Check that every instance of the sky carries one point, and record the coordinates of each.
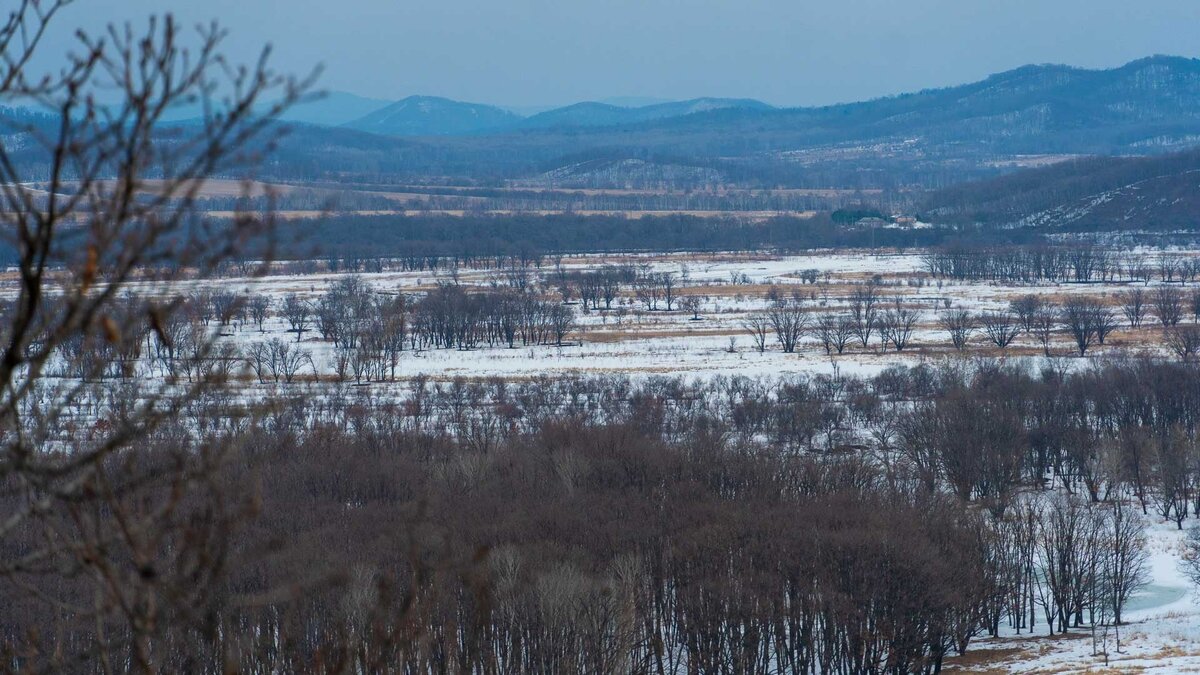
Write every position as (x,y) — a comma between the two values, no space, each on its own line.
(553,52)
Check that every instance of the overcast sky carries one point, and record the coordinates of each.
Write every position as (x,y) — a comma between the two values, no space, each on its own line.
(788,52)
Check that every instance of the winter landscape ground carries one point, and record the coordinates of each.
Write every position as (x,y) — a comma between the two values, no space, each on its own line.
(708,332)
(765,367)
(729,289)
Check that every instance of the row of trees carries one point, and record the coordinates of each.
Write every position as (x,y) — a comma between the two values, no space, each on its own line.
(1075,562)
(1080,262)
(1087,320)
(790,320)
(368,331)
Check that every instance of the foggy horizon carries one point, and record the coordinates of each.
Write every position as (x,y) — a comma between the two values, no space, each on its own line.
(532,54)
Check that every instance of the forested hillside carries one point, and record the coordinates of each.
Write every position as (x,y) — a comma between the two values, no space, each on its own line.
(1156,193)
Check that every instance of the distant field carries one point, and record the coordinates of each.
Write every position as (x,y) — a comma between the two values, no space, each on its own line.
(633,338)
(310,213)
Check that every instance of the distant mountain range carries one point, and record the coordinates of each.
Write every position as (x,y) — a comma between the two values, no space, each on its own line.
(328,109)
(930,138)
(602,115)
(433,116)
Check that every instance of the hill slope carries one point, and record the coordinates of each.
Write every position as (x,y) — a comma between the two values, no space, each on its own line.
(592,114)
(433,116)
(333,109)
(1105,193)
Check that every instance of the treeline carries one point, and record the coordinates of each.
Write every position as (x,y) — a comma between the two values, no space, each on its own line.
(1088,321)
(475,236)
(716,197)
(353,197)
(1078,262)
(368,330)
(303,199)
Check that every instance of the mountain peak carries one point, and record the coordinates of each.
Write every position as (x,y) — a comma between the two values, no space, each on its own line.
(1162,60)
(434,116)
(592,114)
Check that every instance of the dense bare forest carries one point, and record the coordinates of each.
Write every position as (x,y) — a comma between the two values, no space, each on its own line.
(602,525)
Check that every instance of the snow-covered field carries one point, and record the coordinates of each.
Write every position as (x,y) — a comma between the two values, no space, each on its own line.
(630,339)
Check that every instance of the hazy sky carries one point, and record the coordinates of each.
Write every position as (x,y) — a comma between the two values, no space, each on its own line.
(789,52)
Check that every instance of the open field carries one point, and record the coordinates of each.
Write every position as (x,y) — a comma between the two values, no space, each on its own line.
(633,338)
(296,214)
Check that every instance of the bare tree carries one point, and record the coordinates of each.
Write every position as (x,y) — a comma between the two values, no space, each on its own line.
(864,312)
(1044,323)
(258,356)
(1168,305)
(562,282)
(1137,269)
(960,324)
(1190,564)
(1104,321)
(667,281)
(1168,266)
(1175,467)
(589,290)
(1079,314)
(1027,308)
(759,327)
(610,285)
(1065,546)
(225,306)
(896,325)
(1126,562)
(297,312)
(518,277)
(835,331)
(1133,306)
(141,529)
(648,289)
(259,306)
(562,322)
(392,329)
(790,322)
(1184,341)
(286,362)
(1001,328)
